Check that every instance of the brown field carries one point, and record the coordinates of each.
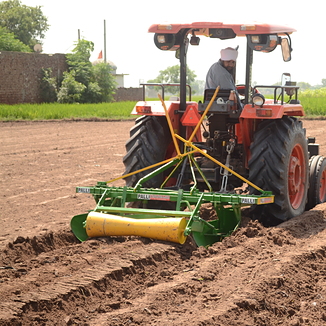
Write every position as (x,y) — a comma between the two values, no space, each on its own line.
(258,276)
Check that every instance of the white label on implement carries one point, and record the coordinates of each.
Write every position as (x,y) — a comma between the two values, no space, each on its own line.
(84,190)
(153,197)
(265,200)
(248,200)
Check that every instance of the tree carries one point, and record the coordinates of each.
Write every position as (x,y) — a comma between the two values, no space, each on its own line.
(8,42)
(303,86)
(198,87)
(102,75)
(78,61)
(323,81)
(171,75)
(83,83)
(28,24)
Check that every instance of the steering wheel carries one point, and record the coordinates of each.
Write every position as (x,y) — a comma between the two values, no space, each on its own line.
(241,88)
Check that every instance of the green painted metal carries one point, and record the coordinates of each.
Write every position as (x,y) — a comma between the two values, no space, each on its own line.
(156,172)
(77,226)
(112,200)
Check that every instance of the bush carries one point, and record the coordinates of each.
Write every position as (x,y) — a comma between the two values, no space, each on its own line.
(106,82)
(48,86)
(92,94)
(71,91)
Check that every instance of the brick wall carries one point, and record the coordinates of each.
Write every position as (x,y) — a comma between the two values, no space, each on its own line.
(21,75)
(128,94)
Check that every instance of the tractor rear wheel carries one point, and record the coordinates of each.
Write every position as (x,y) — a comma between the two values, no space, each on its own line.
(279,163)
(148,144)
(317,181)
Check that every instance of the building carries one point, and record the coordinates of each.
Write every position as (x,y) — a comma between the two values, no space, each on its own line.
(119,78)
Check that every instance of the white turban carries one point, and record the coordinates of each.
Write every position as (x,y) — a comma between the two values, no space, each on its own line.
(229,54)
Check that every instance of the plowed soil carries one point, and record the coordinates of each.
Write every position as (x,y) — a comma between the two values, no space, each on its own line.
(257,276)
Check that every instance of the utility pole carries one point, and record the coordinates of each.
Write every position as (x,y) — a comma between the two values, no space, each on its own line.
(104,41)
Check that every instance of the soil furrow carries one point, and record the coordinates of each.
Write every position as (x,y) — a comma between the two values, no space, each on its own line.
(251,288)
(107,264)
(256,277)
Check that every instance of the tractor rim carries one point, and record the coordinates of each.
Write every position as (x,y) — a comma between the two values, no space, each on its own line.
(297,176)
(322,187)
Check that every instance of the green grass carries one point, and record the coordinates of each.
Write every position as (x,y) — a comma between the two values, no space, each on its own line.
(117,110)
(313,101)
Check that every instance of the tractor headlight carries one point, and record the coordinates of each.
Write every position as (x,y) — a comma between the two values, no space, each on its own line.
(165,41)
(161,38)
(255,39)
(258,99)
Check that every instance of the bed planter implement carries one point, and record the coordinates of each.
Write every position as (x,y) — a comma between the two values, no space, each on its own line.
(114,214)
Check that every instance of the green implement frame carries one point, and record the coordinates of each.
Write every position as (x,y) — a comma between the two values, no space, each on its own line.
(113,200)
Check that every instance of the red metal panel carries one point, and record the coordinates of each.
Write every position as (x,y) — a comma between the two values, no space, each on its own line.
(239,29)
(191,117)
(278,111)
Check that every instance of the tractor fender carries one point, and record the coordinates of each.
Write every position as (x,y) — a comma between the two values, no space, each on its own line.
(188,119)
(271,111)
(155,107)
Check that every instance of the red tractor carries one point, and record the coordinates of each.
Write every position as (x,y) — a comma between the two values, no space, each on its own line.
(259,139)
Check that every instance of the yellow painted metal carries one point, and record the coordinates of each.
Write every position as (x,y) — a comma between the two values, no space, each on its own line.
(166,229)
(204,114)
(170,125)
(151,166)
(141,170)
(173,135)
(190,144)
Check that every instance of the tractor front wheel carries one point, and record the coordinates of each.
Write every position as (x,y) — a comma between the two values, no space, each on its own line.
(279,163)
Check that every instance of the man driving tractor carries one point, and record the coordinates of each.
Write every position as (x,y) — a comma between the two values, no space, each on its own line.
(220,73)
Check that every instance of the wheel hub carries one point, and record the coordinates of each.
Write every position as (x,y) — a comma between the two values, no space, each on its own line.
(294,175)
(322,187)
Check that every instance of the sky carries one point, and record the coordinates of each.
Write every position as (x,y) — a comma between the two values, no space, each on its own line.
(131,48)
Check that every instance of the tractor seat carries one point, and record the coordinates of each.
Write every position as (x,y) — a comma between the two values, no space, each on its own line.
(223,93)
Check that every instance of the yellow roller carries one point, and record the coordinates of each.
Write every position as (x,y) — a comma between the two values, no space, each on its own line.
(167,229)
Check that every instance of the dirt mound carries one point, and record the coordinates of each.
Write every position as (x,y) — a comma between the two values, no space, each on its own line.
(257,276)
